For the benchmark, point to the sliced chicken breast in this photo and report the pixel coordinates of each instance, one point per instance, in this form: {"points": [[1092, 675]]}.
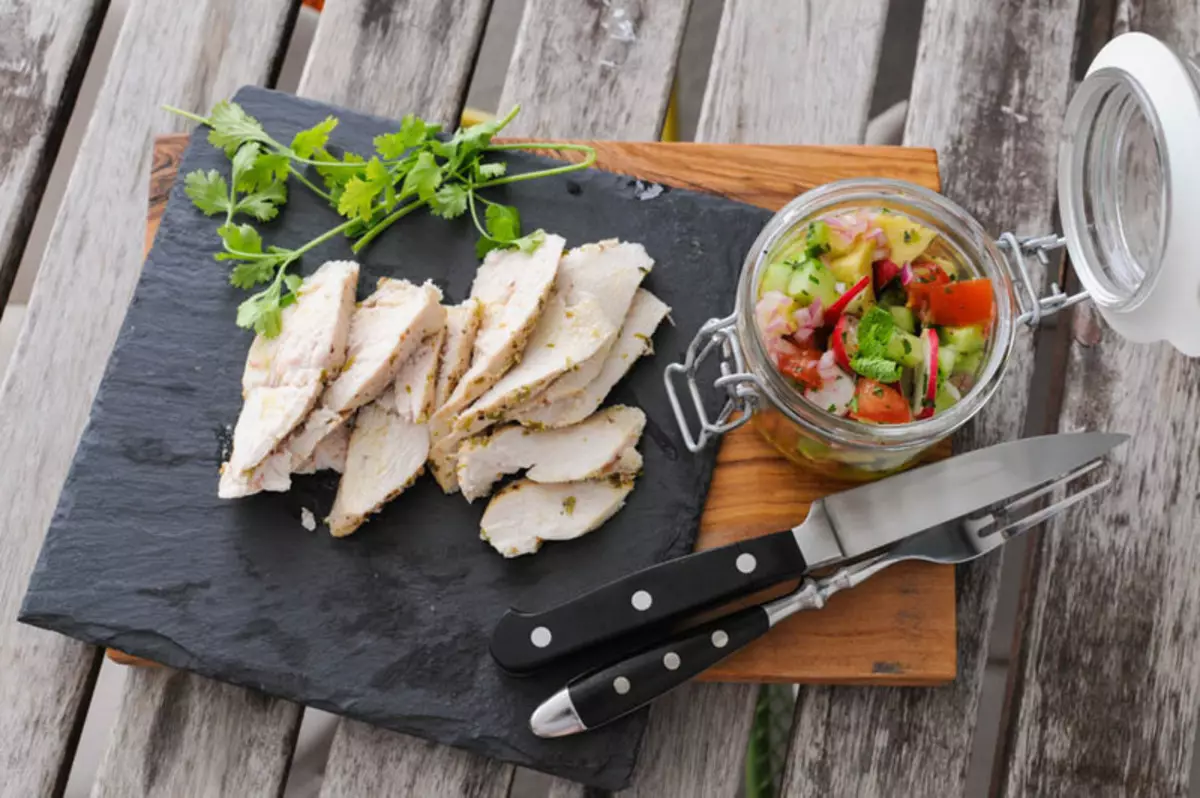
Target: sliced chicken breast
{"points": [[285, 375], [462, 324], [594, 448], [513, 288], [329, 454], [384, 331], [566, 335], [416, 382], [610, 271], [525, 513], [384, 457], [633, 341]]}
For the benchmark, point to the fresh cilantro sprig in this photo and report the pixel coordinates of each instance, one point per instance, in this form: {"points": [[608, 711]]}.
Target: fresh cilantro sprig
{"points": [[874, 332], [410, 169]]}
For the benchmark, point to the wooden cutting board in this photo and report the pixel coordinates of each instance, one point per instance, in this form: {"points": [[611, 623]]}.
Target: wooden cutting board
{"points": [[898, 628]]}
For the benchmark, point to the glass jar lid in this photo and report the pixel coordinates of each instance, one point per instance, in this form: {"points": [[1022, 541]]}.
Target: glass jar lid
{"points": [[1129, 190]]}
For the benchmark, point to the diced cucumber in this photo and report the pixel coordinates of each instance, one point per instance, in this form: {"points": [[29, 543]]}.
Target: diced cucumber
{"points": [[904, 348], [811, 280], [964, 339], [817, 239], [775, 278], [904, 318], [947, 397], [946, 359], [968, 363]]}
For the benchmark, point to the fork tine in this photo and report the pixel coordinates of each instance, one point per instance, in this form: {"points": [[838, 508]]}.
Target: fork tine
{"points": [[1019, 525], [1046, 488]]}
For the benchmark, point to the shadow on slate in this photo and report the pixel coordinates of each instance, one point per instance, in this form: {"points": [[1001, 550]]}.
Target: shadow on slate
{"points": [[391, 625]]}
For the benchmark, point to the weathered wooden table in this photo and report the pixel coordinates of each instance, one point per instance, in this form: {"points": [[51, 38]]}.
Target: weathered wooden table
{"points": [[1106, 669]]}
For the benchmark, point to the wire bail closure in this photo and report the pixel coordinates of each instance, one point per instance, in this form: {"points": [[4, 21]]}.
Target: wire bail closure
{"points": [[740, 386], [1034, 307]]}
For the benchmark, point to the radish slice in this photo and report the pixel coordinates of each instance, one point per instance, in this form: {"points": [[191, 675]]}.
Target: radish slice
{"points": [[925, 376], [837, 389], [906, 275], [843, 342], [834, 311], [885, 271]]}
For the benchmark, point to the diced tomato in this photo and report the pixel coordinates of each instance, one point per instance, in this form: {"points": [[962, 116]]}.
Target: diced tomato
{"points": [[953, 304], [882, 404], [928, 272], [801, 365]]}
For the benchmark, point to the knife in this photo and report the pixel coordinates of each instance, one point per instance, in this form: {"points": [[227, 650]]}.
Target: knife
{"points": [[839, 527]]}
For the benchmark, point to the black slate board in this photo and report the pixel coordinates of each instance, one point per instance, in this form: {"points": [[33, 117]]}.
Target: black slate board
{"points": [[391, 625]]}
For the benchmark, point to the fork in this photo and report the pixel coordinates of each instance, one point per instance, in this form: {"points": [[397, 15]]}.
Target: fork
{"points": [[616, 690]]}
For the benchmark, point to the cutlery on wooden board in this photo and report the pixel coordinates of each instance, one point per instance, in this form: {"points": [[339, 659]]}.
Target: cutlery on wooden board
{"points": [[610, 692], [839, 528]]}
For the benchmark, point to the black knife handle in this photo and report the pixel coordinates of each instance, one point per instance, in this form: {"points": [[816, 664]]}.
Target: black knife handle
{"points": [[661, 593], [619, 689]]}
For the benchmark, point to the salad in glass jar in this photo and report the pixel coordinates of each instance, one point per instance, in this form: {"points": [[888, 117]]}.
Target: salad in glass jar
{"points": [[871, 318]]}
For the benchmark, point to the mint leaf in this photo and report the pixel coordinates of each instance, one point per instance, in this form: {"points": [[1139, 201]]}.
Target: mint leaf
{"points": [[503, 222], [232, 127], [264, 205], [208, 191], [879, 369], [423, 178], [308, 142], [874, 332], [450, 201]]}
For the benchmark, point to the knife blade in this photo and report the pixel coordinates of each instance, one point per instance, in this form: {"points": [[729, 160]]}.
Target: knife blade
{"points": [[839, 527]]}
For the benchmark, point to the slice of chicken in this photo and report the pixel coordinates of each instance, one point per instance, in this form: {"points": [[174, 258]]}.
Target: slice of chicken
{"points": [[525, 513], [384, 457], [611, 271], [513, 287], [633, 341], [583, 451], [462, 325], [385, 330], [329, 454], [416, 382], [285, 375]]}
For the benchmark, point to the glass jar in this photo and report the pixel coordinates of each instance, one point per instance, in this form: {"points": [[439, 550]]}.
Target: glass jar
{"points": [[1128, 184]]}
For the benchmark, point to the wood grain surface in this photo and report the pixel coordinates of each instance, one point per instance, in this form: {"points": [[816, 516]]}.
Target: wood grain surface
{"points": [[189, 54], [594, 69], [1107, 679], [801, 74], [991, 85], [392, 59], [899, 627], [44, 49]]}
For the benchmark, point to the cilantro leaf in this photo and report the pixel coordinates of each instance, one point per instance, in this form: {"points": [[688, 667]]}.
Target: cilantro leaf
{"points": [[485, 245], [874, 332], [485, 171], [308, 142], [503, 222], [263, 312], [377, 174], [879, 369], [239, 239], [243, 160], [231, 127], [268, 168], [529, 244], [250, 273], [413, 131], [423, 178], [264, 205], [208, 191], [357, 199], [450, 201]]}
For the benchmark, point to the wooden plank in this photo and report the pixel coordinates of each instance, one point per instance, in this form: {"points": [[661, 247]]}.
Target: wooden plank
{"points": [[396, 58], [392, 59], [796, 73], [897, 629], [44, 50], [989, 92], [1107, 680], [182, 734], [189, 54], [594, 70], [367, 760]]}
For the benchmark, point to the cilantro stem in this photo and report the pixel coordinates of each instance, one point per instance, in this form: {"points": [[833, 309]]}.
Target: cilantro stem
{"points": [[386, 222], [186, 114], [541, 145], [311, 186]]}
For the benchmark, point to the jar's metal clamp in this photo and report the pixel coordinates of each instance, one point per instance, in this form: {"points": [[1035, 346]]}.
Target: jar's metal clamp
{"points": [[715, 337], [742, 388], [1033, 306]]}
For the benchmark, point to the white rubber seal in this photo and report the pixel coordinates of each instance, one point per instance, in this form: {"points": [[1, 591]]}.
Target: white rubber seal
{"points": [[1170, 308]]}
